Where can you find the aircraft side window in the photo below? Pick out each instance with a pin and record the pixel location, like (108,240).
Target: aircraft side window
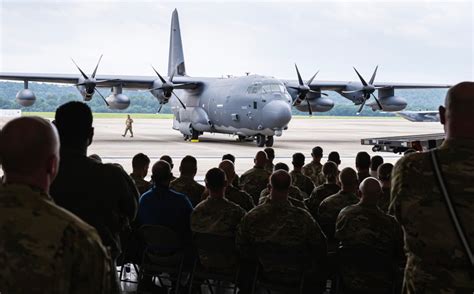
(266,88)
(275,88)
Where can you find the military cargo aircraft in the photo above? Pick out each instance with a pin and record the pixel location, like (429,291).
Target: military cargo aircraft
(253,107)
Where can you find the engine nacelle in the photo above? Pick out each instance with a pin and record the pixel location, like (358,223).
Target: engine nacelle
(25,97)
(321,104)
(390,103)
(86,92)
(118,101)
(159,94)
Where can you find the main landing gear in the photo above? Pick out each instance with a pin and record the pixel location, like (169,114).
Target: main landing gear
(194,136)
(263,140)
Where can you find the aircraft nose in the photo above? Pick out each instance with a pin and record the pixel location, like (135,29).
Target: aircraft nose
(276,114)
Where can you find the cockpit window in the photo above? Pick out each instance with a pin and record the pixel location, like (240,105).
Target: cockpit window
(259,88)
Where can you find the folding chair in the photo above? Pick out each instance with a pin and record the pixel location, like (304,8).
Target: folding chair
(293,264)
(214,246)
(163,254)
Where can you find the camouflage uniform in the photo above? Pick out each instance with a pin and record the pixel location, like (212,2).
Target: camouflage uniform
(283,224)
(141,184)
(269,167)
(371,230)
(189,187)
(384,200)
(46,249)
(303,182)
(217,216)
(239,197)
(236,181)
(293,201)
(330,208)
(294,192)
(128,126)
(313,170)
(362,176)
(254,181)
(437,261)
(318,195)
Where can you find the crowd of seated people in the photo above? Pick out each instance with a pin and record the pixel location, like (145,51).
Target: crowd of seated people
(374,228)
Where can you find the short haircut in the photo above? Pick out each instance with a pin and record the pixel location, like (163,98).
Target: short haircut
(348,177)
(298,159)
(384,172)
(330,170)
(281,166)
(161,172)
(317,152)
(363,160)
(188,165)
(140,160)
(228,156)
(215,179)
(270,152)
(375,162)
(74,123)
(168,159)
(334,157)
(280,180)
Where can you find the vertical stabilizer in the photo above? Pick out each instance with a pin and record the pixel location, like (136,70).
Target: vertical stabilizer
(176,56)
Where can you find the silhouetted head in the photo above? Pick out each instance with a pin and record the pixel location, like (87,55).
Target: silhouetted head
(457,115)
(317,153)
(229,157)
(362,161)
(298,160)
(95,157)
(370,191)
(161,173)
(330,171)
(270,153)
(216,182)
(74,123)
(280,182)
(260,159)
(384,172)
(334,157)
(281,166)
(168,160)
(228,167)
(375,162)
(29,151)
(348,179)
(188,166)
(140,164)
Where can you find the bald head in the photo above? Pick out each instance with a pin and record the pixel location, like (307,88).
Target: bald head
(370,190)
(348,179)
(228,167)
(260,159)
(161,173)
(29,147)
(457,115)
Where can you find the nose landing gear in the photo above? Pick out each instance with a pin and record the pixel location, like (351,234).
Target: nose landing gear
(263,140)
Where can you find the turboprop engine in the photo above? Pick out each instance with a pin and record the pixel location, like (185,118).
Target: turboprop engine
(319,104)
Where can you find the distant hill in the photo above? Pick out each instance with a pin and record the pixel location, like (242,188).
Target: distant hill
(49,96)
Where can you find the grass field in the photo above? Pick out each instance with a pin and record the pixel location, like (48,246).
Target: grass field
(169,116)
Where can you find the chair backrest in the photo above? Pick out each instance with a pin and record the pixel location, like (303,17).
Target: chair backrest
(369,259)
(224,245)
(159,237)
(277,257)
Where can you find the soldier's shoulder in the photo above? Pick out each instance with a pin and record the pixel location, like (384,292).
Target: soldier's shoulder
(231,206)
(412,161)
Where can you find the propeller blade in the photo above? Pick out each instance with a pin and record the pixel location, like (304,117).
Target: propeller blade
(360,77)
(378,102)
(161,106)
(182,104)
(309,108)
(97,66)
(103,98)
(373,75)
(161,78)
(317,92)
(361,107)
(300,80)
(296,102)
(83,74)
(350,92)
(312,78)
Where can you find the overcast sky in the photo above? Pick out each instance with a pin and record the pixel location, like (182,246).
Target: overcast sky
(411,41)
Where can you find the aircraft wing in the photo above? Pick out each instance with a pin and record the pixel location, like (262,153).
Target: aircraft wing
(341,85)
(128,82)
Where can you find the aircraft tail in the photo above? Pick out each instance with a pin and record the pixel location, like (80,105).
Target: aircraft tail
(176,56)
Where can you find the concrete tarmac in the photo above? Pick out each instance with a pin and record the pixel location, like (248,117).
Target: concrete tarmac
(155,137)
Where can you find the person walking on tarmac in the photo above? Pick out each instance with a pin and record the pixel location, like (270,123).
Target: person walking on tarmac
(128,126)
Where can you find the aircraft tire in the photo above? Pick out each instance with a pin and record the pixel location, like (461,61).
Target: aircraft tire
(269,142)
(195,135)
(260,140)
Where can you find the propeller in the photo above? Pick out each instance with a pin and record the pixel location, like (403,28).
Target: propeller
(303,89)
(168,88)
(368,90)
(91,83)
